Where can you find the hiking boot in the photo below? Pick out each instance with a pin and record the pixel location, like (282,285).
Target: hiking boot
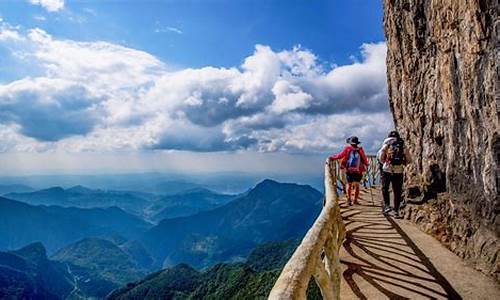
(349,202)
(397,215)
(386,210)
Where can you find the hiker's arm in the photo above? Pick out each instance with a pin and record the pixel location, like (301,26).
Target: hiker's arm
(383,154)
(379,154)
(339,155)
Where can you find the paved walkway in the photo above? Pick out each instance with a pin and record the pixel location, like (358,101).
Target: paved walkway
(385,258)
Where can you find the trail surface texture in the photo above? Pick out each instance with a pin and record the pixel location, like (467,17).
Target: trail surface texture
(388,258)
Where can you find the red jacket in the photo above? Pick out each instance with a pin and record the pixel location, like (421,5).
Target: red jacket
(344,155)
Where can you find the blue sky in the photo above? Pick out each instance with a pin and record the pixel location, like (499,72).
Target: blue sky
(189,81)
(219,33)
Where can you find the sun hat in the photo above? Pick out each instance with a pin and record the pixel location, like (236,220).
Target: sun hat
(394,134)
(353,140)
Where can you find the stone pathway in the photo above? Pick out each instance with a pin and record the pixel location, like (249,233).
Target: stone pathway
(386,258)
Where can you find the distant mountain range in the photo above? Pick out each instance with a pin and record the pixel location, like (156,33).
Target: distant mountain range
(271,211)
(187,203)
(161,183)
(148,206)
(96,250)
(156,183)
(56,226)
(82,197)
(14,188)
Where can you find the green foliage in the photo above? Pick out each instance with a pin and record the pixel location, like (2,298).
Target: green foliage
(103,258)
(271,211)
(271,256)
(251,280)
(28,274)
(172,283)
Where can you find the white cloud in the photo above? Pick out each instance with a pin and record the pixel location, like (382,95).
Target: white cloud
(168,29)
(6,34)
(49,5)
(40,18)
(99,96)
(288,97)
(9,33)
(104,65)
(49,109)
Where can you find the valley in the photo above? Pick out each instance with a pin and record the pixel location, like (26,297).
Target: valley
(104,241)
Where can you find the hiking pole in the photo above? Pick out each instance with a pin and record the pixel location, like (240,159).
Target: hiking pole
(371,194)
(370,183)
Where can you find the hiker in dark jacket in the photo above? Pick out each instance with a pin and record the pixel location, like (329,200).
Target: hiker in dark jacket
(380,164)
(354,162)
(394,156)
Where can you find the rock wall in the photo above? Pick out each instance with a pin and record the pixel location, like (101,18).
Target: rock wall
(443,83)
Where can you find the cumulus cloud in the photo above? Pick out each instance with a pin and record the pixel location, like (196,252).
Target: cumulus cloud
(48,109)
(8,32)
(93,96)
(49,5)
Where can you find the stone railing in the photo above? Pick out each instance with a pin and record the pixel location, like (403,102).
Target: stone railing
(318,254)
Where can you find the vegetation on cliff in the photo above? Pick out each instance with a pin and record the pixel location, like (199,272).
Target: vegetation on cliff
(253,279)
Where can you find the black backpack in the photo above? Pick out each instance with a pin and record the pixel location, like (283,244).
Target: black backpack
(396,153)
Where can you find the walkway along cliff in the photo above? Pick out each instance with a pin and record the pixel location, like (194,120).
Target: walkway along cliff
(442,72)
(443,91)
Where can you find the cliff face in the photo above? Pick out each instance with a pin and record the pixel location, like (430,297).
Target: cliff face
(444,95)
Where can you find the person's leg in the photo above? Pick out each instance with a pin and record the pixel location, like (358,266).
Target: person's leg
(397,187)
(385,190)
(349,192)
(356,192)
(381,173)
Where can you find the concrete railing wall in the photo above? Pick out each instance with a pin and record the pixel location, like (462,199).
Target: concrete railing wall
(318,254)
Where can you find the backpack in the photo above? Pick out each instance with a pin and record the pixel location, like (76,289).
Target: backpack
(396,153)
(353,163)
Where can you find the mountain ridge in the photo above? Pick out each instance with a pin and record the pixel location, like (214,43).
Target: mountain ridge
(56,226)
(270,211)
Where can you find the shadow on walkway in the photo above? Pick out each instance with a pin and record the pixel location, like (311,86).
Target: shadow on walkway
(383,260)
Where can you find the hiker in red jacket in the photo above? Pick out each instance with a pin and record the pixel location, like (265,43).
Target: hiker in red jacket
(354,162)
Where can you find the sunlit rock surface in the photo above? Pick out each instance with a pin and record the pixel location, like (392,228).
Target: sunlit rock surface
(443,88)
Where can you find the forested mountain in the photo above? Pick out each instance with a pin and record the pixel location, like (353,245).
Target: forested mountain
(28,274)
(250,280)
(56,226)
(271,211)
(99,265)
(91,267)
(187,203)
(100,249)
